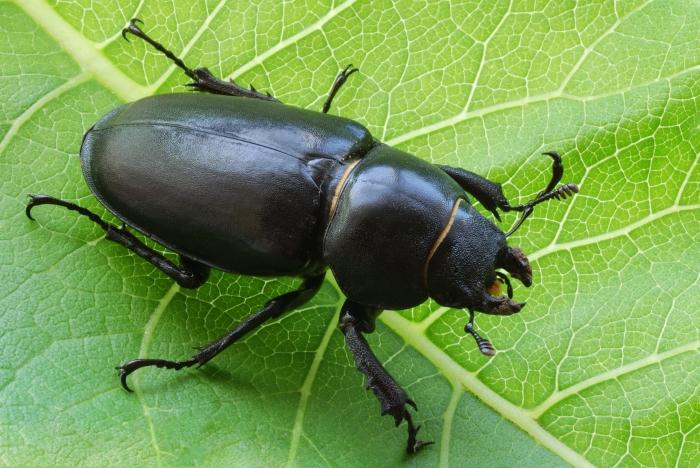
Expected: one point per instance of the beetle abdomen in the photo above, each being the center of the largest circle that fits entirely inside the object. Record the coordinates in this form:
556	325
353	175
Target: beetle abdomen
229	196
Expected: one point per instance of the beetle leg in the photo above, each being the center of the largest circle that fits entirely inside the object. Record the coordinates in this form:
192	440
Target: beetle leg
205	81
560	193
356	319
337	84
272	309
547	194
202	79
191	274
490	194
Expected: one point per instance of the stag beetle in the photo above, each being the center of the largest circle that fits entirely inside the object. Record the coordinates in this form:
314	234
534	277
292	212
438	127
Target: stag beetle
232	179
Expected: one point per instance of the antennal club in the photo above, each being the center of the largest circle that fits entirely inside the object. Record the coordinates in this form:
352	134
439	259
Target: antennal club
484	345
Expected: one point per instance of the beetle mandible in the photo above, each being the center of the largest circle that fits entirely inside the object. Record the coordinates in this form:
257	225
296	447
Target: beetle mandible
232	179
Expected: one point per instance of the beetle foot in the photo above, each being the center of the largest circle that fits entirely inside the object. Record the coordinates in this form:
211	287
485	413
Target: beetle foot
133	29
399	410
345	72
563	191
557	171
128	368
413	445
36	200
400	413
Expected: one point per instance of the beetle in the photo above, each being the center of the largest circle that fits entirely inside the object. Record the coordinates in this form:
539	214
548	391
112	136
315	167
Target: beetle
234	180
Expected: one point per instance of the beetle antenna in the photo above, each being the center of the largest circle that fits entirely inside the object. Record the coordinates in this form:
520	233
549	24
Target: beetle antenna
484	345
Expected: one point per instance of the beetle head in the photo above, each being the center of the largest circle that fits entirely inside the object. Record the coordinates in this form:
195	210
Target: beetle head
463	269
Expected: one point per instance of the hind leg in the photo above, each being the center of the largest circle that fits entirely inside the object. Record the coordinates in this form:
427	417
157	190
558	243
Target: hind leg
189	274
202	79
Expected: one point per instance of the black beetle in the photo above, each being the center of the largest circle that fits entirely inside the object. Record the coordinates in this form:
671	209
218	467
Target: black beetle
235	180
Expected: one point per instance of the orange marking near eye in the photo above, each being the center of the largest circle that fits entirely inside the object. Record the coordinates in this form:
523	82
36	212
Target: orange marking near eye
495	288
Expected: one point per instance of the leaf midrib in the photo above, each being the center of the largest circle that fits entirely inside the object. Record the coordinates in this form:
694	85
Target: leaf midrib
82	51
411	334
306	388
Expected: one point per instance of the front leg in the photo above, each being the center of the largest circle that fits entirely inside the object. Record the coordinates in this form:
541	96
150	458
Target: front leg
490	194
356	319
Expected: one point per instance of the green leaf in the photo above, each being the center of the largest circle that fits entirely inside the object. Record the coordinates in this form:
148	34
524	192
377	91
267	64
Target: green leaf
600	368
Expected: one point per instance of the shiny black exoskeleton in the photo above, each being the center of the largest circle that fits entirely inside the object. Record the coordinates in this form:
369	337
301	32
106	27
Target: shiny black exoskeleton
236	181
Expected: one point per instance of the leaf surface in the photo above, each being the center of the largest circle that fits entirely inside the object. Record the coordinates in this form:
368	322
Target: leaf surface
600	368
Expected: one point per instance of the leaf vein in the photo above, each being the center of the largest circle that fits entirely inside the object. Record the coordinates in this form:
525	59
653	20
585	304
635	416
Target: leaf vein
188	47
82	50
518	103
611	374
305	391
484	52
293	39
117	35
38	105
588	50
447	419
412	334
623	231
145	343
